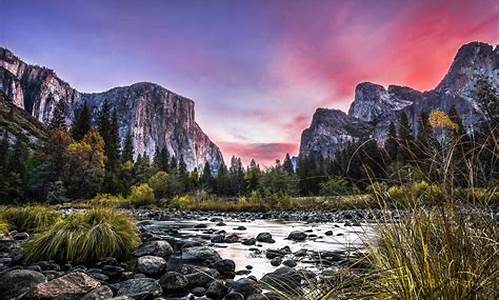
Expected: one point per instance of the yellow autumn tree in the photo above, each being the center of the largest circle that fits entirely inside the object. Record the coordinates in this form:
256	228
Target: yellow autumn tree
440	120
84	168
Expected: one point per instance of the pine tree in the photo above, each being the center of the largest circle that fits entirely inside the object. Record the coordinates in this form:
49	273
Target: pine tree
287	164
82	123
206	179
128	148
237	176
391	143
406	141
113	143
253	176
103	121
59	116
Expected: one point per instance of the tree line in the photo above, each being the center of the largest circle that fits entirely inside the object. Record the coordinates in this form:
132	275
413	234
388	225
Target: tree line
87	158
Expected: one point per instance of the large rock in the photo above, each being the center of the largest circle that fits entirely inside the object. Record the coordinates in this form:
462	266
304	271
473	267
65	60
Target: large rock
216	289
265	237
151	265
225	267
73	285
283	278
246	287
297	236
99	293
16	283
204	255
140	288
173	282
156	117
154	248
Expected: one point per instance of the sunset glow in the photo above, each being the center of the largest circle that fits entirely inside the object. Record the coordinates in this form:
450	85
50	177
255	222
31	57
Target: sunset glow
257	70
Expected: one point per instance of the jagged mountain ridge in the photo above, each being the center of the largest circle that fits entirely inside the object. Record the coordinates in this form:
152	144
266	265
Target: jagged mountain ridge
155	116
375	107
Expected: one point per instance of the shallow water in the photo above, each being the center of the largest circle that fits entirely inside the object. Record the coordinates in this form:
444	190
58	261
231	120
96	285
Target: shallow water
344	238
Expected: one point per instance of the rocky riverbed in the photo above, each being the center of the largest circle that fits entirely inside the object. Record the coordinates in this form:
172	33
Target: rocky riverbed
200	255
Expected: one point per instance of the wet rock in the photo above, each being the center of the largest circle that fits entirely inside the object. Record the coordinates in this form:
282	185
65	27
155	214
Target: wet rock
249	267
328	233
219	238
234	296
242	272
201	276
265	237
257	297
220	224
173	282
16	283
290	263
249	242
21	236
140	289
100	293
283	278
276	261
270	253
240	228
233	238
151	265
154	248
216	289
201	225
297	236
246	287
198	291
286	250
70	286
203	255
225	268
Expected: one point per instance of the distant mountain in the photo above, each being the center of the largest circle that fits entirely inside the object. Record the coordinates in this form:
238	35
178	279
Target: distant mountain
375	107
155	116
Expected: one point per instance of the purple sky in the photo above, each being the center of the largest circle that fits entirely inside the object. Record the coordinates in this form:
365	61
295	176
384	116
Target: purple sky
257	70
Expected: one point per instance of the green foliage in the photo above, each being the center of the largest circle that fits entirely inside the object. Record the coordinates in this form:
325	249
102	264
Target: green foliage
159	182
107	200
59	115
335	186
4	226
141	195
82	123
31	218
85	238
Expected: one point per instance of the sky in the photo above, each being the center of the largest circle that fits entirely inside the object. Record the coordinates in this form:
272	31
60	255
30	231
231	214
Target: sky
257	70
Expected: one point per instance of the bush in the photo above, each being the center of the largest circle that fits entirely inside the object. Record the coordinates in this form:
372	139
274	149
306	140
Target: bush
397	194
335	186
85	238
159	183
4	227
184	202
107	200
30	218
141	195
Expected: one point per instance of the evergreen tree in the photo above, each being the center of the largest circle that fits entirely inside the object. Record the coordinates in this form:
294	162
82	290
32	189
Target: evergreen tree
391	143
183	174
222	181
82	123
406	141
59	116
253	176
4	150
103	121
287	164
206	179
128	148
237	176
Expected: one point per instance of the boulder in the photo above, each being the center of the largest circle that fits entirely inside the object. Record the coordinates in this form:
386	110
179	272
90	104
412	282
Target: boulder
151	265
198	291
225	267
246	287
173	282
265	237
289	263
201	254
140	288
216	289
73	285
248	242
234	296
16	283
283	278
155	248
297	236
99	293
276	261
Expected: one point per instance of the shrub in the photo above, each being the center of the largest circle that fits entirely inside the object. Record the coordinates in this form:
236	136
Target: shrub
31	218
141	195
85	238
183	202
107	200
4	227
159	183
397	194
335	186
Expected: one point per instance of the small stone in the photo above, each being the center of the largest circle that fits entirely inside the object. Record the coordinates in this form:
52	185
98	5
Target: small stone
297	236
329	233
140	289
173	282
276	261
155	248
151	265
290	263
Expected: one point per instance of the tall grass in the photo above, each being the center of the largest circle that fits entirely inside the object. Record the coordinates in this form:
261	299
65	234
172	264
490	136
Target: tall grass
85	238
29	218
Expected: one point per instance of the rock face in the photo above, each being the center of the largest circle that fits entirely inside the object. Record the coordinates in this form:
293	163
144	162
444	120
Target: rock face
155	116
375	107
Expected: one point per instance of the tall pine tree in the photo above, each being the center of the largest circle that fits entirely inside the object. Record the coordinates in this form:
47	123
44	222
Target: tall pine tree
82	123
